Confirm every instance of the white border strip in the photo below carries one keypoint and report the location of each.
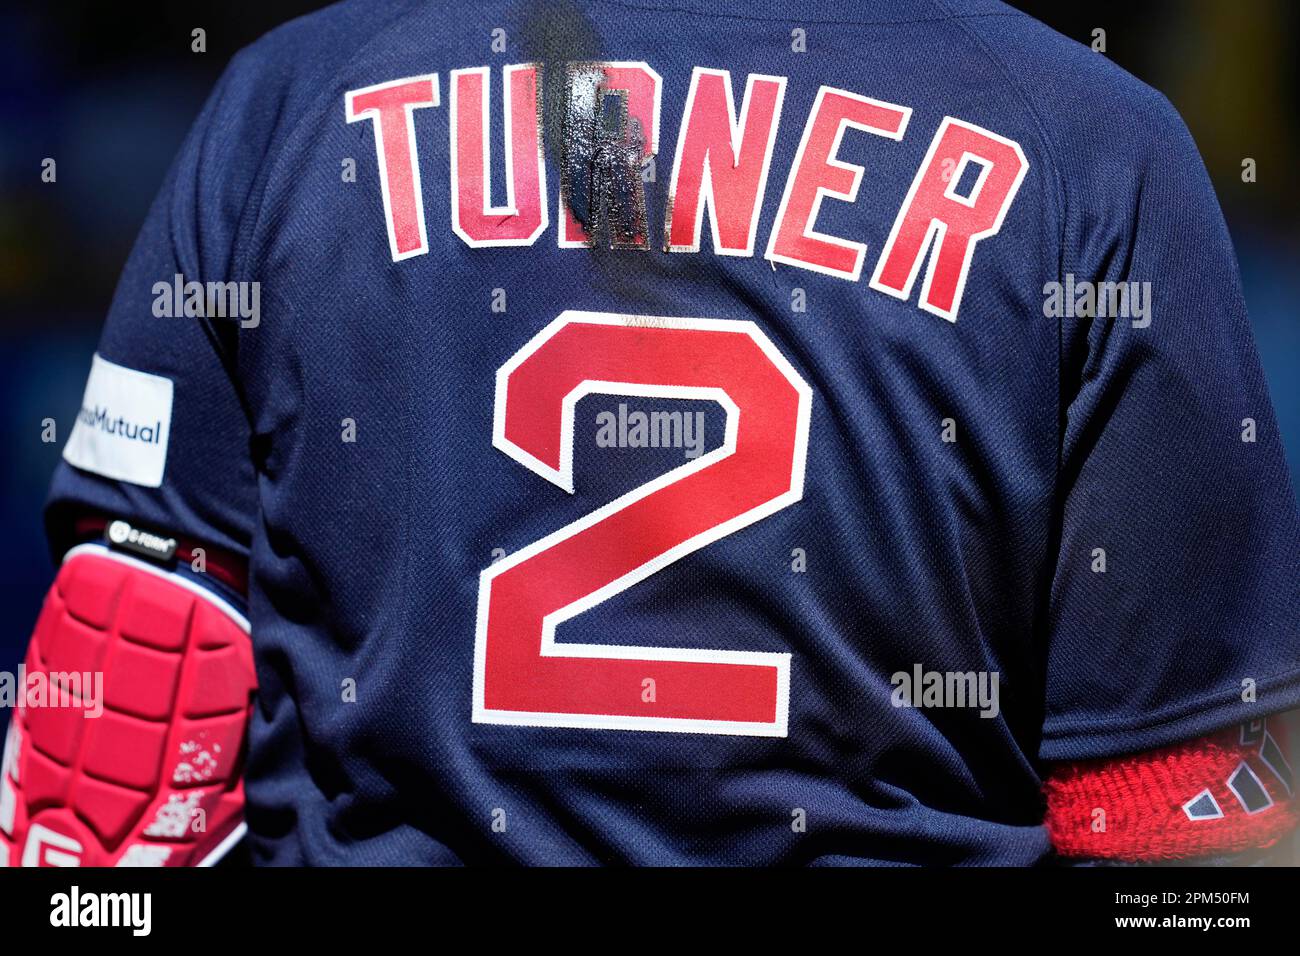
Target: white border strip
(225, 846)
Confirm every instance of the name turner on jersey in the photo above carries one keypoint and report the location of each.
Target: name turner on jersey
(960, 194)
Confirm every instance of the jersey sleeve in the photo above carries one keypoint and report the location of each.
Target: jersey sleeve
(1175, 601)
(161, 437)
(160, 463)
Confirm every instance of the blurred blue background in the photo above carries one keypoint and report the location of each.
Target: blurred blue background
(108, 90)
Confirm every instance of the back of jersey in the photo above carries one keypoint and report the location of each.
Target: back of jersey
(673, 431)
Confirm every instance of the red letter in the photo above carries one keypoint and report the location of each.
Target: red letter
(391, 105)
(816, 173)
(933, 209)
(524, 217)
(722, 162)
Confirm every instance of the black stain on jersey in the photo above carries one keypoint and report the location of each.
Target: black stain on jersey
(598, 150)
(600, 172)
(590, 137)
(556, 33)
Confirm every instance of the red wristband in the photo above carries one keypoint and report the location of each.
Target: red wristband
(1224, 793)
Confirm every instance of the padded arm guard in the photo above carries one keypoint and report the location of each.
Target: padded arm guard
(126, 748)
(1226, 793)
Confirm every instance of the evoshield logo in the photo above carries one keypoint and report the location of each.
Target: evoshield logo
(121, 535)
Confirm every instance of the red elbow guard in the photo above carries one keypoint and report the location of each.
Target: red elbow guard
(127, 745)
(1224, 793)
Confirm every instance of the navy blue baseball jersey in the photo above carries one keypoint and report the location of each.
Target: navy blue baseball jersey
(687, 432)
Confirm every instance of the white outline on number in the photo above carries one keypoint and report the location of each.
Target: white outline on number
(563, 477)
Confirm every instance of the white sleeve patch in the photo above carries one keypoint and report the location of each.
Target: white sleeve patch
(122, 428)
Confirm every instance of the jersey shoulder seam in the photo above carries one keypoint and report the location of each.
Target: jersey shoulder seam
(755, 18)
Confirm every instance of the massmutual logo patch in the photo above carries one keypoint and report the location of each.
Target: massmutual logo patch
(121, 431)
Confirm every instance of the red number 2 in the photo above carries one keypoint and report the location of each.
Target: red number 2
(521, 674)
